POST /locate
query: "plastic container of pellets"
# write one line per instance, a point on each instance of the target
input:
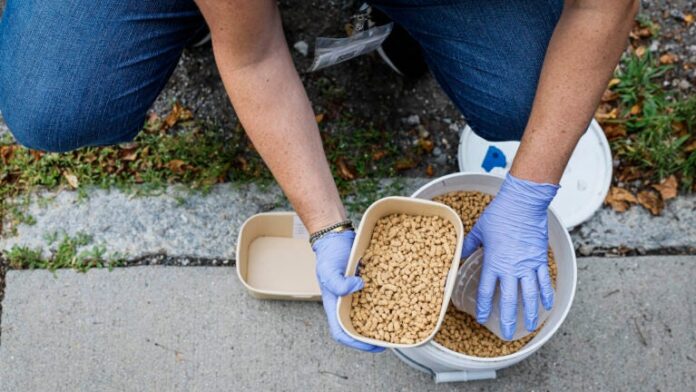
(446, 365)
(382, 208)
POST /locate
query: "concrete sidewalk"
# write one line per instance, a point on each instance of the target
(195, 329)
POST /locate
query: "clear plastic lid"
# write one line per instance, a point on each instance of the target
(465, 293)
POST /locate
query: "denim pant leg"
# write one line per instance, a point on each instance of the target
(84, 73)
(486, 54)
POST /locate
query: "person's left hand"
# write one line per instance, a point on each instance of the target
(513, 230)
(333, 251)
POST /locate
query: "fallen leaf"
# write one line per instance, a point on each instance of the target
(138, 178)
(178, 113)
(679, 128)
(6, 153)
(72, 180)
(606, 112)
(690, 147)
(651, 201)
(614, 131)
(379, 154)
(629, 173)
(640, 51)
(636, 109)
(36, 154)
(319, 118)
(644, 33)
(668, 58)
(426, 144)
(613, 82)
(404, 164)
(619, 199)
(689, 19)
(176, 166)
(609, 96)
(243, 164)
(667, 188)
(345, 170)
(153, 122)
(429, 171)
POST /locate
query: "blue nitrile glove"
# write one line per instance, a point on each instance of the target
(513, 230)
(333, 251)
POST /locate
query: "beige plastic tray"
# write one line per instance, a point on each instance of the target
(274, 258)
(379, 209)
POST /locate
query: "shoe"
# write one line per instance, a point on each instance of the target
(400, 51)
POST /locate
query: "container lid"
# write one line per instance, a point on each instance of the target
(585, 181)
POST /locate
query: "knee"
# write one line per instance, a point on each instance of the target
(505, 117)
(44, 123)
(41, 124)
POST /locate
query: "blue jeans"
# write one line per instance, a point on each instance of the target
(84, 73)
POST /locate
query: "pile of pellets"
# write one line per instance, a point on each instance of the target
(405, 269)
(460, 332)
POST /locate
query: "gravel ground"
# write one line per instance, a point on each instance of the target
(394, 100)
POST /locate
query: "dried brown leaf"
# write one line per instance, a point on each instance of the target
(668, 58)
(427, 145)
(667, 187)
(345, 170)
(690, 147)
(379, 154)
(636, 109)
(640, 51)
(7, 152)
(609, 96)
(176, 166)
(178, 113)
(404, 164)
(429, 171)
(689, 19)
(619, 199)
(72, 180)
(606, 112)
(629, 173)
(36, 154)
(614, 131)
(651, 200)
(319, 118)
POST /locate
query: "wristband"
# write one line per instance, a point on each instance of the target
(335, 228)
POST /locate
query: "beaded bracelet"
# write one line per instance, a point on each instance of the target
(337, 228)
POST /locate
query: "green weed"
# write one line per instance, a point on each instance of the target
(71, 252)
(659, 123)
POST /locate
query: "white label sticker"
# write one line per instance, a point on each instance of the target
(298, 228)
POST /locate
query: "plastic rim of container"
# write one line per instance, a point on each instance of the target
(585, 182)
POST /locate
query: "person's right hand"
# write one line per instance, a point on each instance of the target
(333, 251)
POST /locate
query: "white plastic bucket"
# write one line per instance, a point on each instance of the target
(446, 365)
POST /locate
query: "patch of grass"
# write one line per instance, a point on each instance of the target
(70, 252)
(660, 124)
(195, 155)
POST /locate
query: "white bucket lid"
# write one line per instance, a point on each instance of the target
(585, 181)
